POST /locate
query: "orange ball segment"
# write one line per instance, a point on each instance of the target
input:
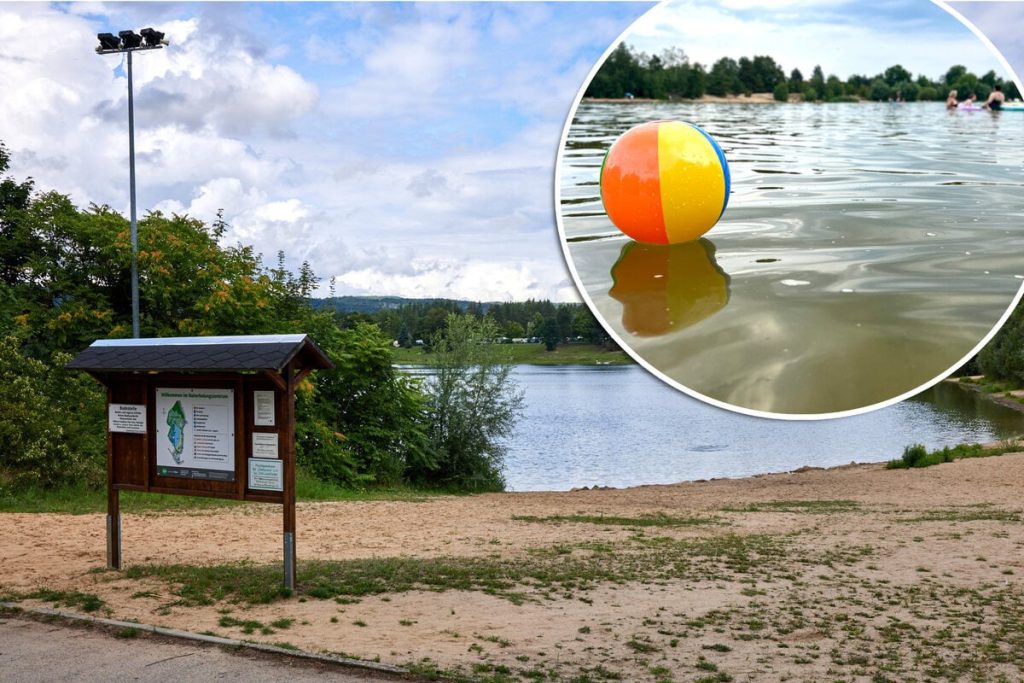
(665, 182)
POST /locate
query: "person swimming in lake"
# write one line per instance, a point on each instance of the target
(951, 100)
(995, 98)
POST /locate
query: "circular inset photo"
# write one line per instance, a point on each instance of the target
(802, 210)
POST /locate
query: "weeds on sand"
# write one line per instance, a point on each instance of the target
(652, 520)
(558, 570)
(821, 507)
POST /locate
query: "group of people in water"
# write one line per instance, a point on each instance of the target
(994, 102)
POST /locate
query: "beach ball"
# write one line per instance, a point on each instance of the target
(665, 182)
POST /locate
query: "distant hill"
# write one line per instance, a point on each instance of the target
(373, 304)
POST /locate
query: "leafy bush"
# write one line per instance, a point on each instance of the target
(363, 422)
(472, 405)
(914, 454)
(52, 431)
(918, 456)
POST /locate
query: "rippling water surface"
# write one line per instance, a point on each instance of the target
(865, 250)
(619, 426)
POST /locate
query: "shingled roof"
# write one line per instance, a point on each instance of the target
(201, 354)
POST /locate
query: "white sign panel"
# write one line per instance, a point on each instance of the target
(266, 475)
(264, 445)
(263, 408)
(195, 433)
(129, 418)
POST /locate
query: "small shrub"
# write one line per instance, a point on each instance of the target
(912, 455)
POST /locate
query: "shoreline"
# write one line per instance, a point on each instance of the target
(754, 98)
(995, 397)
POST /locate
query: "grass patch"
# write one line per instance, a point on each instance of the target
(964, 515)
(87, 602)
(248, 626)
(917, 455)
(655, 520)
(811, 506)
(531, 354)
(545, 572)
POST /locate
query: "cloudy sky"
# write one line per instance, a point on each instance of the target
(403, 149)
(844, 37)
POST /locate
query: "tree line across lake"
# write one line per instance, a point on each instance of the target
(414, 322)
(671, 75)
(65, 282)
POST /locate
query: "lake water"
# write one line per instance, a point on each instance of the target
(619, 426)
(865, 250)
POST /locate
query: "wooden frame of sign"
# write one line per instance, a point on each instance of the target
(178, 429)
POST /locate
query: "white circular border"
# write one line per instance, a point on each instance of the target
(696, 394)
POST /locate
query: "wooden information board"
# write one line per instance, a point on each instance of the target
(205, 418)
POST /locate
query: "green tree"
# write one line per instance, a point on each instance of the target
(724, 78)
(364, 422)
(621, 73)
(548, 332)
(834, 88)
(896, 74)
(1003, 357)
(404, 337)
(767, 73)
(880, 91)
(796, 81)
(954, 74)
(513, 330)
(781, 93)
(818, 81)
(472, 404)
(18, 242)
(52, 426)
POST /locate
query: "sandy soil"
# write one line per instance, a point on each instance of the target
(754, 98)
(854, 574)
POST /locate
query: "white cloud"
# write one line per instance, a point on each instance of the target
(479, 280)
(385, 169)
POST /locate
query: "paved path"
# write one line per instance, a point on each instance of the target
(32, 650)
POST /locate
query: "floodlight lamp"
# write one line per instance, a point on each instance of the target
(153, 38)
(131, 39)
(108, 41)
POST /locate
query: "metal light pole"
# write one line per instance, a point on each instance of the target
(129, 42)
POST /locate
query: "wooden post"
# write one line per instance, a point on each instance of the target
(113, 528)
(288, 455)
(113, 504)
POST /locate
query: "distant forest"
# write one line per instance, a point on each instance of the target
(671, 75)
(409, 321)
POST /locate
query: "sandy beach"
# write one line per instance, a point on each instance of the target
(855, 574)
(753, 98)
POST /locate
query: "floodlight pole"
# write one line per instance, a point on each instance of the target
(105, 50)
(148, 40)
(131, 182)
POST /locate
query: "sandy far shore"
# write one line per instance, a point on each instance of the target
(855, 573)
(753, 98)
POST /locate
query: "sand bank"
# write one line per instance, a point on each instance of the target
(840, 574)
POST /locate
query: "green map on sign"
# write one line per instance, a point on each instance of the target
(176, 433)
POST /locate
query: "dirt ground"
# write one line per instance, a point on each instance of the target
(850, 574)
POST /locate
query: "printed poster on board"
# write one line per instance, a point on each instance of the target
(195, 433)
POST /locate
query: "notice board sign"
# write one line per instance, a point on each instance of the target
(126, 418)
(195, 433)
(266, 475)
